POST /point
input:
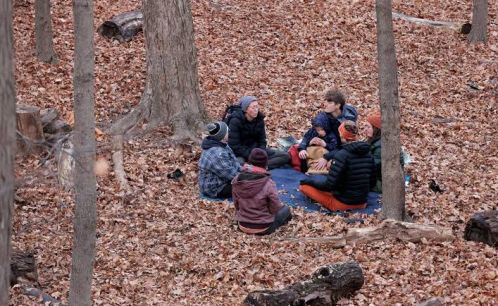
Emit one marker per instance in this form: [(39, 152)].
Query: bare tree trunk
[(7, 143), (172, 66), (393, 189), (43, 30), (84, 150), (479, 21)]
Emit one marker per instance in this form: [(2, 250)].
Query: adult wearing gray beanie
[(248, 131), (217, 165), (217, 130)]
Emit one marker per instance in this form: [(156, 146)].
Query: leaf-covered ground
[(164, 246)]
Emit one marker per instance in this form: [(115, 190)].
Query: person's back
[(258, 209), (351, 173), (217, 165)]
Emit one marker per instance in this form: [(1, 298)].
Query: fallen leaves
[(165, 246)]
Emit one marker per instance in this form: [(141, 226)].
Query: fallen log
[(29, 129), (326, 286), (460, 27), (404, 231), (483, 227), (123, 26)]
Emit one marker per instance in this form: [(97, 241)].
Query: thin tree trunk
[(393, 189), (84, 149), (172, 66), (479, 21), (43, 30), (7, 144)]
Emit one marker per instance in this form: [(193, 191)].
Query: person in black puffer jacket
[(352, 174), (247, 131)]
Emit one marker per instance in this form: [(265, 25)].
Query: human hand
[(303, 154)]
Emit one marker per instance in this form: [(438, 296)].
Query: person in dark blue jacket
[(337, 112), (320, 134)]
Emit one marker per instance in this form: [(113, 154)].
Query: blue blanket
[(287, 181)]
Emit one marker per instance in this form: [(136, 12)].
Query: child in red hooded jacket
[(258, 209)]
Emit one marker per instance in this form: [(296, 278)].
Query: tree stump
[(326, 286), (22, 264), (65, 164), (29, 127), (123, 26), (483, 227)]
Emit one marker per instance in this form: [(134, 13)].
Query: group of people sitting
[(236, 160)]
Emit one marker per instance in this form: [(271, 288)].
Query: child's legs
[(281, 218)]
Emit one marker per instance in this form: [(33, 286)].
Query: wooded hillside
[(164, 246)]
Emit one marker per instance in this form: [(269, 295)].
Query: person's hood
[(240, 114), (208, 143), (348, 113), (357, 147), (322, 120), (248, 188)]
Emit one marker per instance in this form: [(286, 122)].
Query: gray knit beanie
[(217, 130), (245, 101)]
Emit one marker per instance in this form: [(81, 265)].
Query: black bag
[(229, 111)]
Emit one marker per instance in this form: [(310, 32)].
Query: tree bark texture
[(483, 227), (123, 26), (326, 286), (479, 22), (172, 66), (29, 126), (7, 143), (43, 32), (84, 154), (393, 189)]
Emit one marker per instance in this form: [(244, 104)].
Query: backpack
[(229, 111)]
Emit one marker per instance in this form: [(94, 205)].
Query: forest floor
[(165, 246)]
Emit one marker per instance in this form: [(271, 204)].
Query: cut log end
[(483, 227)]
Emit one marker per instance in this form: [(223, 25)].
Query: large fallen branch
[(460, 27), (389, 228), (326, 286)]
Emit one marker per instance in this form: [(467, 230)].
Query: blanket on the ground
[(287, 181)]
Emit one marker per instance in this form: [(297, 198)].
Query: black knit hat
[(217, 130), (258, 158)]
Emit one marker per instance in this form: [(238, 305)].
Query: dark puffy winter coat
[(352, 174), (245, 135), (322, 121)]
